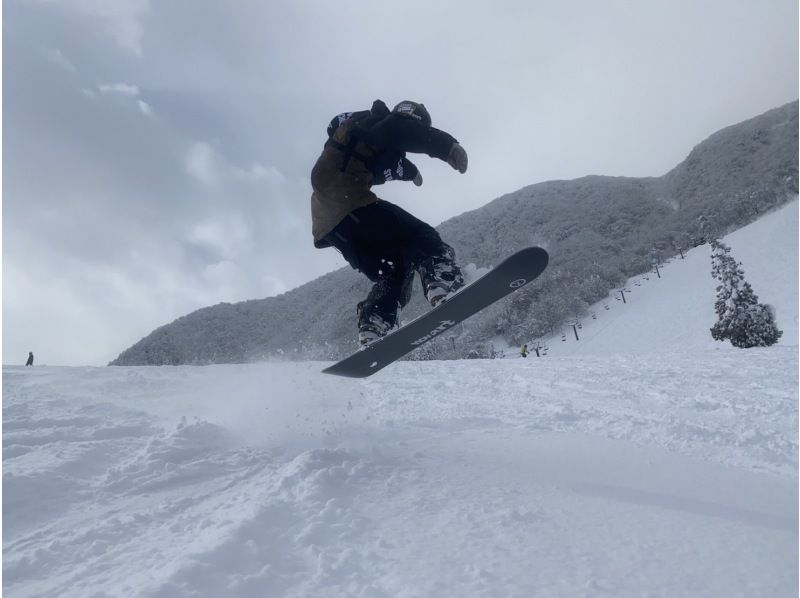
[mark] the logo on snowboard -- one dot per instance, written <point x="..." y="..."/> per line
<point x="517" y="283"/>
<point x="443" y="325"/>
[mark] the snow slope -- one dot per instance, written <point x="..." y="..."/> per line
<point x="676" y="311"/>
<point x="671" y="471"/>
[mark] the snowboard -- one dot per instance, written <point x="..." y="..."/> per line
<point x="510" y="275"/>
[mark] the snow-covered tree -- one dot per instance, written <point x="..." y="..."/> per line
<point x="742" y="319"/>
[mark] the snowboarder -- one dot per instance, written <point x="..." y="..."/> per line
<point x="376" y="237"/>
<point x="524" y="350"/>
<point x="30" y="359"/>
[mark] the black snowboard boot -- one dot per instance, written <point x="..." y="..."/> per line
<point x="373" y="325"/>
<point x="440" y="277"/>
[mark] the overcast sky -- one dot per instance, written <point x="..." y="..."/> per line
<point x="156" y="154"/>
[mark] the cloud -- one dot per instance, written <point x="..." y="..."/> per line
<point x="122" y="92"/>
<point x="211" y="168"/>
<point x="157" y="155"/>
<point x="202" y="163"/>
<point x="226" y="236"/>
<point x="57" y="57"/>
<point x="258" y="172"/>
<point x="228" y="278"/>
<point x="144" y="107"/>
<point x="121" y="20"/>
<point x="121" y="89"/>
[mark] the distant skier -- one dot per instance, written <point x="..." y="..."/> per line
<point x="30" y="359"/>
<point x="524" y="350"/>
<point x="376" y="237"/>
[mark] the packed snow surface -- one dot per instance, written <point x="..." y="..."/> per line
<point x="667" y="470"/>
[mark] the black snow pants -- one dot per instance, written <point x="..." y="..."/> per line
<point x="388" y="245"/>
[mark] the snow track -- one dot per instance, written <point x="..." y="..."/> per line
<point x="663" y="475"/>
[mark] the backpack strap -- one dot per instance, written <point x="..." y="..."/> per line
<point x="349" y="151"/>
<point x="359" y="130"/>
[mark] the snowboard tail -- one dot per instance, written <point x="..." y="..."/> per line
<point x="510" y="275"/>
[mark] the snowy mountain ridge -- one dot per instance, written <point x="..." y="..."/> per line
<point x="599" y="231"/>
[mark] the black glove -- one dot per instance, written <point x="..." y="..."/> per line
<point x="457" y="158"/>
<point x="417" y="180"/>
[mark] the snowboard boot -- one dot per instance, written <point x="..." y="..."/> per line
<point x="440" y="277"/>
<point x="371" y="324"/>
